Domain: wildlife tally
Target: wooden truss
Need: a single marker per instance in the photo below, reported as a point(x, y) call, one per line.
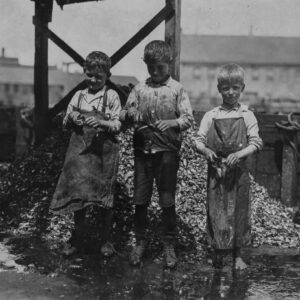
point(170, 13)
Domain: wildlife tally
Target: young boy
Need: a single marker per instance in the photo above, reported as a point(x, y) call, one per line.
point(91, 162)
point(227, 135)
point(160, 110)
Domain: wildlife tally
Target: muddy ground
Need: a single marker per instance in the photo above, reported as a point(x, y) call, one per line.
point(29, 271)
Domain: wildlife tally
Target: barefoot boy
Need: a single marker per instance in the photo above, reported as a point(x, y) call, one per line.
point(227, 135)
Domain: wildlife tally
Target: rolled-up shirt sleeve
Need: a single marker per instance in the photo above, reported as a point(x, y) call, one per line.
point(201, 137)
point(253, 130)
point(70, 107)
point(115, 109)
point(184, 109)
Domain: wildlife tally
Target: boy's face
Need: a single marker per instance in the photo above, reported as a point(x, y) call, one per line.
point(159, 71)
point(231, 92)
point(96, 78)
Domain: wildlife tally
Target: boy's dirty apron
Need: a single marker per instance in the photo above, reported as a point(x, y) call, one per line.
point(228, 190)
point(90, 168)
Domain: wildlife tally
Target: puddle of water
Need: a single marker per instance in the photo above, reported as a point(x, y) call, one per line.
point(272, 274)
point(8, 260)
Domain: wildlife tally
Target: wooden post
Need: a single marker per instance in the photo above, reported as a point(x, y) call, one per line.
point(43, 13)
point(172, 36)
point(289, 173)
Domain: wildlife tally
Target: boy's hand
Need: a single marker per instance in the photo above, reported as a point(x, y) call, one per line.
point(232, 159)
point(210, 155)
point(93, 122)
point(163, 125)
point(134, 115)
point(75, 117)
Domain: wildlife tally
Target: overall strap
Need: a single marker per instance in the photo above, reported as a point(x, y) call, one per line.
point(80, 98)
point(104, 105)
point(242, 109)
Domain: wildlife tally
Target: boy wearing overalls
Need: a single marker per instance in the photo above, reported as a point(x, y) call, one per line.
point(228, 134)
point(160, 110)
point(90, 168)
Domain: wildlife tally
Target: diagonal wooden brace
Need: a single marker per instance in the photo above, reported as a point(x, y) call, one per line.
point(59, 42)
point(162, 15)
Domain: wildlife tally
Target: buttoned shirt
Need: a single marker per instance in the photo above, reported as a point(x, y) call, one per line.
point(222, 112)
point(165, 101)
point(89, 102)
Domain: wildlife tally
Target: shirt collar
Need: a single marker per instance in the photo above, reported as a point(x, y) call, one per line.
point(235, 108)
point(98, 94)
point(154, 84)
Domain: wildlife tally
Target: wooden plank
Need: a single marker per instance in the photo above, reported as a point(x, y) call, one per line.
point(43, 10)
point(58, 41)
point(172, 36)
point(61, 3)
point(115, 58)
point(141, 34)
point(289, 174)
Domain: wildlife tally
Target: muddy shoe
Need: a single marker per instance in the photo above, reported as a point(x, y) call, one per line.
point(170, 256)
point(137, 253)
point(107, 250)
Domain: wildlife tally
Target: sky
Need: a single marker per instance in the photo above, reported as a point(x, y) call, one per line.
point(106, 25)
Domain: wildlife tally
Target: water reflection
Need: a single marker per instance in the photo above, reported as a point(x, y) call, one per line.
point(168, 284)
point(229, 285)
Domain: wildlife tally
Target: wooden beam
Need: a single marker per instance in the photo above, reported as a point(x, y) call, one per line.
point(58, 41)
point(43, 12)
point(173, 34)
point(289, 171)
point(165, 13)
point(141, 34)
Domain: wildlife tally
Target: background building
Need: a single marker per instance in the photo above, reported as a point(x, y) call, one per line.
point(16, 82)
point(272, 66)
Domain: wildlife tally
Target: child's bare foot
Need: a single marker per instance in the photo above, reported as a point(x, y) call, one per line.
point(239, 264)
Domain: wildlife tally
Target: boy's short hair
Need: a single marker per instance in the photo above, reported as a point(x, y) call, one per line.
point(230, 72)
point(98, 59)
point(157, 51)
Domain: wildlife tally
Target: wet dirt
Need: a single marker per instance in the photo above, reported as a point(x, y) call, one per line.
point(29, 270)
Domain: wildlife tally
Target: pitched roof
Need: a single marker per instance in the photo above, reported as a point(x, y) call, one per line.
point(266, 50)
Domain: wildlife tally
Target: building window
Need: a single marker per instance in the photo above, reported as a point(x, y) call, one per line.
point(197, 72)
point(270, 75)
point(255, 75)
point(16, 88)
point(211, 75)
point(6, 87)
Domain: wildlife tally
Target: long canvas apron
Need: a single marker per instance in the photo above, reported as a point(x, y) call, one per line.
point(228, 189)
point(90, 168)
